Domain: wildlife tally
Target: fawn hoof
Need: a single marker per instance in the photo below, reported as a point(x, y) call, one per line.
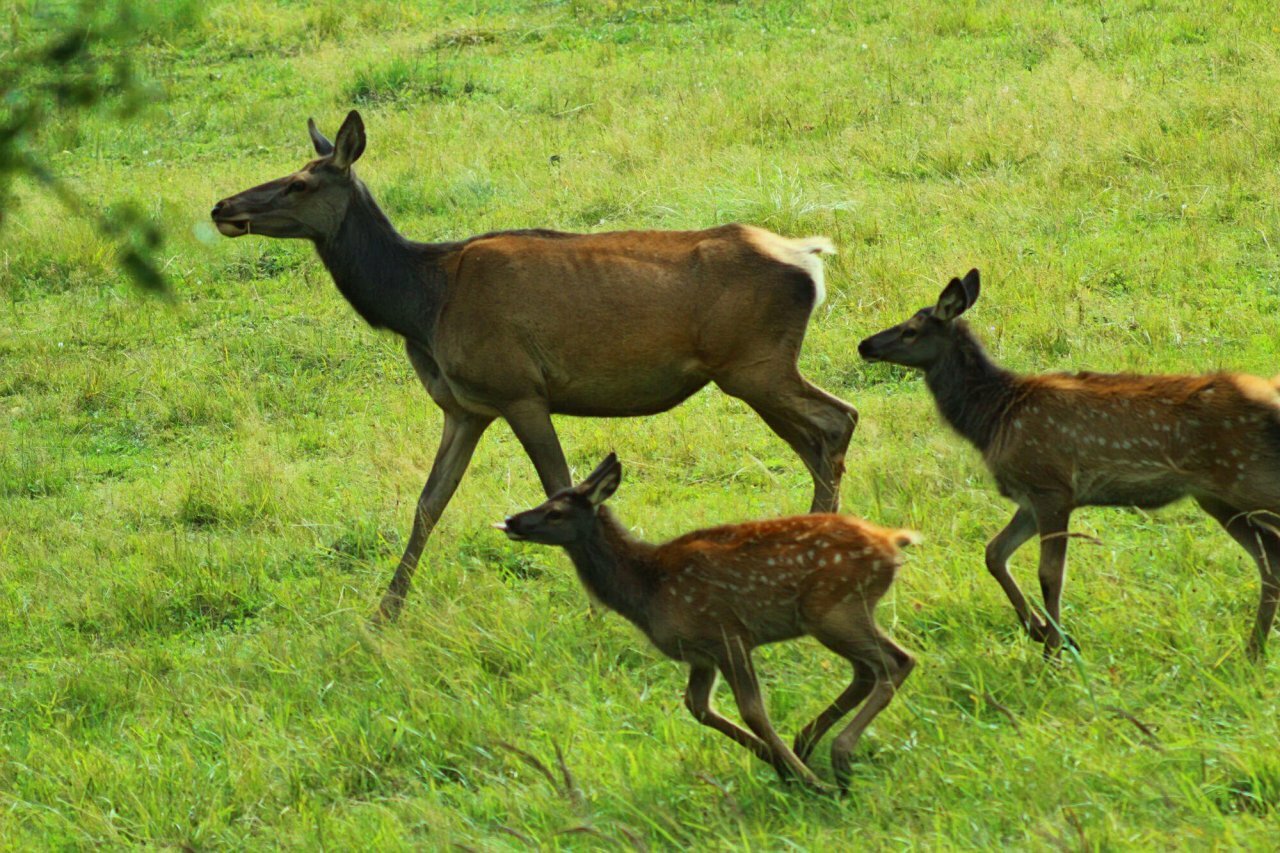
point(388, 611)
point(802, 776)
point(843, 771)
point(1053, 646)
point(803, 747)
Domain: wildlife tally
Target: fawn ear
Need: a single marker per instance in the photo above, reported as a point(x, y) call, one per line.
point(603, 481)
point(349, 144)
point(957, 297)
point(321, 142)
point(971, 286)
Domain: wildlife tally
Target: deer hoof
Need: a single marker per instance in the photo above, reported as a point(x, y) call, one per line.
point(803, 748)
point(1053, 646)
point(1039, 631)
point(388, 611)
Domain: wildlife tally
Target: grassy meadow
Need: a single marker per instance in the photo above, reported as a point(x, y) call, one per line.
point(203, 498)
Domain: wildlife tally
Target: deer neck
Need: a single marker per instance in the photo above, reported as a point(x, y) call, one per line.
point(972, 391)
point(392, 282)
point(614, 568)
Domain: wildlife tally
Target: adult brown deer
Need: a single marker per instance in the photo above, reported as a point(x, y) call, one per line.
point(526, 324)
point(1061, 441)
point(709, 597)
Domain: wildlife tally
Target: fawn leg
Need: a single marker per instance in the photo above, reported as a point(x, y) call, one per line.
point(462, 431)
point(697, 698)
point(863, 681)
point(890, 664)
point(999, 550)
point(1052, 522)
point(1263, 544)
point(740, 673)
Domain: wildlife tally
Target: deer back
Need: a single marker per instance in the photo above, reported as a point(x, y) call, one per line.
point(629, 320)
point(1121, 439)
point(767, 581)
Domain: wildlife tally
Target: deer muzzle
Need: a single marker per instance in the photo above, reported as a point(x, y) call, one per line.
point(229, 224)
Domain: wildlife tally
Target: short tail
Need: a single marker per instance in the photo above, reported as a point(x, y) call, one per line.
point(803, 253)
point(903, 538)
point(808, 252)
point(815, 245)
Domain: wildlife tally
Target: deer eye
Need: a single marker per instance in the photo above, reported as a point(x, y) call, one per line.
point(555, 515)
point(295, 187)
point(910, 334)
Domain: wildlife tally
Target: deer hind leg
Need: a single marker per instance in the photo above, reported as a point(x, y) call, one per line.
point(531, 422)
point(697, 698)
point(816, 424)
point(1052, 522)
point(1258, 535)
point(457, 443)
point(1001, 547)
point(890, 665)
point(741, 676)
point(863, 681)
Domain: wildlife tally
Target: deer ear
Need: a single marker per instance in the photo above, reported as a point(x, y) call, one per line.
point(322, 145)
point(349, 145)
point(603, 481)
point(971, 286)
point(954, 301)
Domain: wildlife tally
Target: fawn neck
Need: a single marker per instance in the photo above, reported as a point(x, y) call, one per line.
point(614, 568)
point(392, 282)
point(972, 391)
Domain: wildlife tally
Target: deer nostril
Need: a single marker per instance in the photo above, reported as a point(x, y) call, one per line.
point(217, 208)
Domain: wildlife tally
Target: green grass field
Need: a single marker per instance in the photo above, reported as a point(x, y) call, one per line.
point(201, 500)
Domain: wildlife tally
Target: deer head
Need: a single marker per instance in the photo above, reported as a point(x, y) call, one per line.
point(569, 515)
point(309, 203)
point(929, 334)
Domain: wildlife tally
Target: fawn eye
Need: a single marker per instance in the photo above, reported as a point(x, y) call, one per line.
point(296, 187)
point(909, 335)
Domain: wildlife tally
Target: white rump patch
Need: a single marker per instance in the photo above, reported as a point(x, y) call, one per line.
point(805, 253)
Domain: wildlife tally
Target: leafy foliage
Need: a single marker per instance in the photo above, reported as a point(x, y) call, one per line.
point(62, 62)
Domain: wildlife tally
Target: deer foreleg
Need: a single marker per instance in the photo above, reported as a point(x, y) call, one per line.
point(457, 443)
point(697, 698)
point(741, 675)
point(1001, 547)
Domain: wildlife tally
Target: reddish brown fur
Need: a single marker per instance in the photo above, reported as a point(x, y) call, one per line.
point(766, 581)
point(709, 597)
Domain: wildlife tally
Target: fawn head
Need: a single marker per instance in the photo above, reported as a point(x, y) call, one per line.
point(309, 203)
point(569, 515)
point(928, 335)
